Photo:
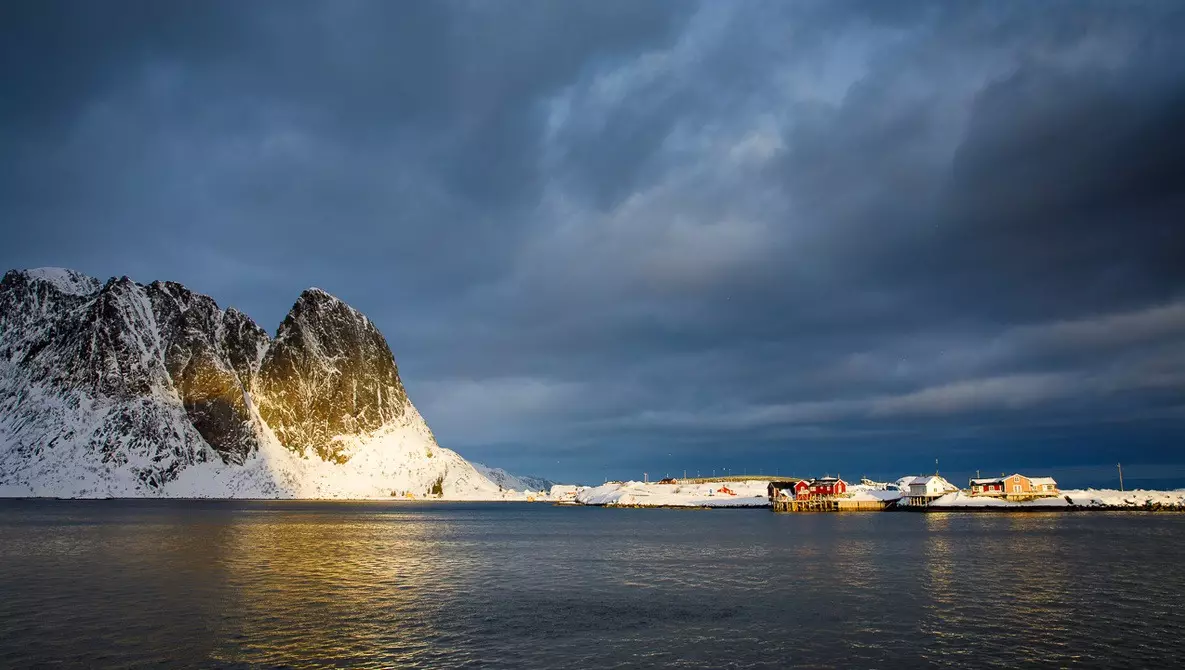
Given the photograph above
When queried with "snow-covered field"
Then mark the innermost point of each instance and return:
(1088, 498)
(750, 493)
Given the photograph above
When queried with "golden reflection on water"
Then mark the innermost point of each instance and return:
(1038, 582)
(937, 556)
(859, 561)
(308, 587)
(946, 602)
(1006, 570)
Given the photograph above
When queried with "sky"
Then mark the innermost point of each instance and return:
(612, 237)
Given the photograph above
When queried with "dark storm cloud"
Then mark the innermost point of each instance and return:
(601, 233)
(289, 119)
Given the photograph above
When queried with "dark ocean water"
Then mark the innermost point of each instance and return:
(263, 584)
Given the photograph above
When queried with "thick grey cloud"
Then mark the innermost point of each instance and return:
(608, 236)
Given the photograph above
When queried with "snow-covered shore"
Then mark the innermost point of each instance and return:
(748, 493)
(1072, 499)
(751, 493)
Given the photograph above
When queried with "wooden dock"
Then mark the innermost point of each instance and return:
(829, 505)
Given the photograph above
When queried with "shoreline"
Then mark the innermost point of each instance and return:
(1029, 509)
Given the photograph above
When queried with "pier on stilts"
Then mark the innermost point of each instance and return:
(825, 494)
(829, 505)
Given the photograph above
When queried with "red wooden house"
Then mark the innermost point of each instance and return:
(820, 487)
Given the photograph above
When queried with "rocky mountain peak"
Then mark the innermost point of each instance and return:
(66, 281)
(328, 373)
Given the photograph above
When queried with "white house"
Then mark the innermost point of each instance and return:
(924, 489)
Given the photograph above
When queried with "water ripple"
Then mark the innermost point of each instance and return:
(283, 584)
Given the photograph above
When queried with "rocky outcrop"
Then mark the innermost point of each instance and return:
(212, 358)
(328, 373)
(121, 389)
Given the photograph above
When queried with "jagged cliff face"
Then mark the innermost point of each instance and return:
(82, 378)
(122, 389)
(328, 373)
(212, 358)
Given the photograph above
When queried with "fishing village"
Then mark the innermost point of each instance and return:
(1014, 492)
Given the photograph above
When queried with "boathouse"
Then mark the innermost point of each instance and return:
(781, 490)
(825, 494)
(821, 487)
(923, 490)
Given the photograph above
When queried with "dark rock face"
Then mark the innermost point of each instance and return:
(72, 348)
(211, 357)
(243, 344)
(93, 342)
(329, 372)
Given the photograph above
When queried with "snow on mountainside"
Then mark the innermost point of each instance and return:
(513, 482)
(67, 281)
(118, 389)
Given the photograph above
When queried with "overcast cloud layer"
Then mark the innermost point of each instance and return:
(613, 236)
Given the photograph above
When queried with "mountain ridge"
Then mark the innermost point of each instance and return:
(513, 482)
(120, 389)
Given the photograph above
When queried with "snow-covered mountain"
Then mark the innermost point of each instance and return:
(513, 482)
(124, 390)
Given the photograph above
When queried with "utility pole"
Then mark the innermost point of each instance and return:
(1120, 466)
(935, 467)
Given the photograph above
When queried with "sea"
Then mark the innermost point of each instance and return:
(254, 584)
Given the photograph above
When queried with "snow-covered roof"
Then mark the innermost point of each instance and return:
(1040, 481)
(936, 480)
(986, 480)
